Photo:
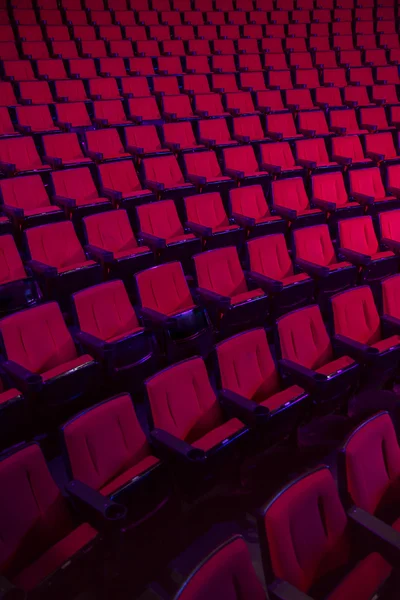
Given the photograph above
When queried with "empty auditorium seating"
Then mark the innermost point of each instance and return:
(51, 372)
(63, 150)
(348, 152)
(167, 307)
(366, 187)
(73, 117)
(143, 141)
(119, 182)
(272, 270)
(241, 164)
(291, 202)
(312, 155)
(380, 148)
(250, 210)
(104, 145)
(17, 289)
(204, 171)
(330, 195)
(19, 155)
(359, 333)
(222, 287)
(164, 177)
(277, 159)
(207, 218)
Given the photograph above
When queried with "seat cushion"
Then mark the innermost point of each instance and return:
(280, 398)
(74, 267)
(131, 252)
(136, 193)
(336, 365)
(362, 581)
(55, 557)
(129, 475)
(79, 361)
(225, 228)
(244, 296)
(116, 338)
(268, 219)
(9, 395)
(39, 211)
(389, 342)
(380, 255)
(309, 211)
(340, 265)
(217, 435)
(180, 238)
(295, 278)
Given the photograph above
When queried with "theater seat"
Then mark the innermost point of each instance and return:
(109, 330)
(119, 182)
(290, 201)
(143, 141)
(203, 171)
(43, 362)
(241, 164)
(309, 359)
(75, 192)
(272, 270)
(104, 144)
(47, 549)
(250, 210)
(164, 177)
(19, 156)
(380, 148)
(59, 262)
(389, 224)
(26, 203)
(359, 332)
(277, 159)
(73, 117)
(17, 290)
(206, 217)
(359, 245)
(167, 307)
(222, 288)
(203, 432)
(34, 120)
(332, 557)
(214, 134)
(280, 127)
(344, 122)
(63, 150)
(161, 229)
(312, 124)
(111, 242)
(179, 137)
(348, 152)
(252, 388)
(248, 130)
(330, 195)
(313, 156)
(366, 188)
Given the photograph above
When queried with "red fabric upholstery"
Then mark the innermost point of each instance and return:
(145, 138)
(250, 202)
(209, 105)
(71, 90)
(137, 86)
(281, 123)
(314, 244)
(314, 151)
(215, 131)
(104, 89)
(112, 111)
(37, 118)
(161, 220)
(164, 289)
(290, 193)
(76, 184)
(180, 134)
(112, 231)
(381, 143)
(248, 126)
(196, 420)
(349, 147)
(247, 368)
(242, 159)
(208, 210)
(121, 177)
(75, 114)
(166, 85)
(22, 153)
(38, 92)
(330, 187)
(367, 181)
(347, 120)
(27, 193)
(313, 121)
(206, 165)
(11, 267)
(7, 96)
(37, 530)
(106, 142)
(106, 442)
(269, 256)
(268, 99)
(357, 95)
(390, 291)
(280, 155)
(358, 234)
(66, 147)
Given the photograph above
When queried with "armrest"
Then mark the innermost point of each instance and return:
(234, 173)
(368, 127)
(170, 116)
(174, 146)
(8, 591)
(271, 168)
(244, 139)
(304, 376)
(154, 185)
(324, 204)
(65, 202)
(13, 211)
(40, 268)
(207, 142)
(394, 191)
(342, 160)
(355, 257)
(102, 122)
(152, 240)
(63, 125)
(9, 167)
(286, 213)
(25, 380)
(308, 132)
(112, 194)
(274, 135)
(201, 113)
(282, 590)
(375, 156)
(234, 111)
(391, 244)
(337, 129)
(243, 409)
(214, 298)
(382, 537)
(23, 128)
(266, 283)
(52, 160)
(196, 179)
(362, 198)
(244, 221)
(311, 268)
(359, 352)
(135, 150)
(390, 325)
(99, 253)
(308, 164)
(94, 155)
(95, 97)
(174, 446)
(97, 348)
(96, 503)
(157, 318)
(201, 230)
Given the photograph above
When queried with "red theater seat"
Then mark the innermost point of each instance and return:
(278, 160)
(313, 156)
(19, 155)
(63, 150)
(164, 177)
(290, 201)
(250, 210)
(330, 195)
(6, 126)
(281, 127)
(35, 92)
(75, 192)
(366, 188)
(241, 164)
(119, 182)
(35, 119)
(203, 170)
(207, 218)
(143, 141)
(17, 291)
(73, 117)
(348, 152)
(215, 134)
(104, 145)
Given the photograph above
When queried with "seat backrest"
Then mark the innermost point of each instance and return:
(249, 126)
(214, 129)
(37, 338)
(372, 464)
(11, 267)
(207, 210)
(314, 121)
(330, 187)
(390, 295)
(278, 154)
(106, 88)
(204, 164)
(72, 90)
(120, 176)
(281, 123)
(144, 137)
(164, 170)
(313, 150)
(36, 91)
(160, 219)
(64, 145)
(241, 159)
(7, 96)
(137, 86)
(166, 85)
(367, 181)
(358, 234)
(304, 339)
(36, 117)
(381, 143)
(110, 231)
(105, 441)
(26, 192)
(74, 113)
(75, 183)
(374, 116)
(105, 310)
(111, 110)
(355, 315)
(305, 527)
(246, 365)
(182, 400)
(290, 193)
(344, 118)
(220, 271)
(34, 514)
(211, 103)
(299, 98)
(269, 256)
(164, 289)
(348, 146)
(55, 244)
(179, 133)
(356, 93)
(249, 201)
(105, 141)
(20, 152)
